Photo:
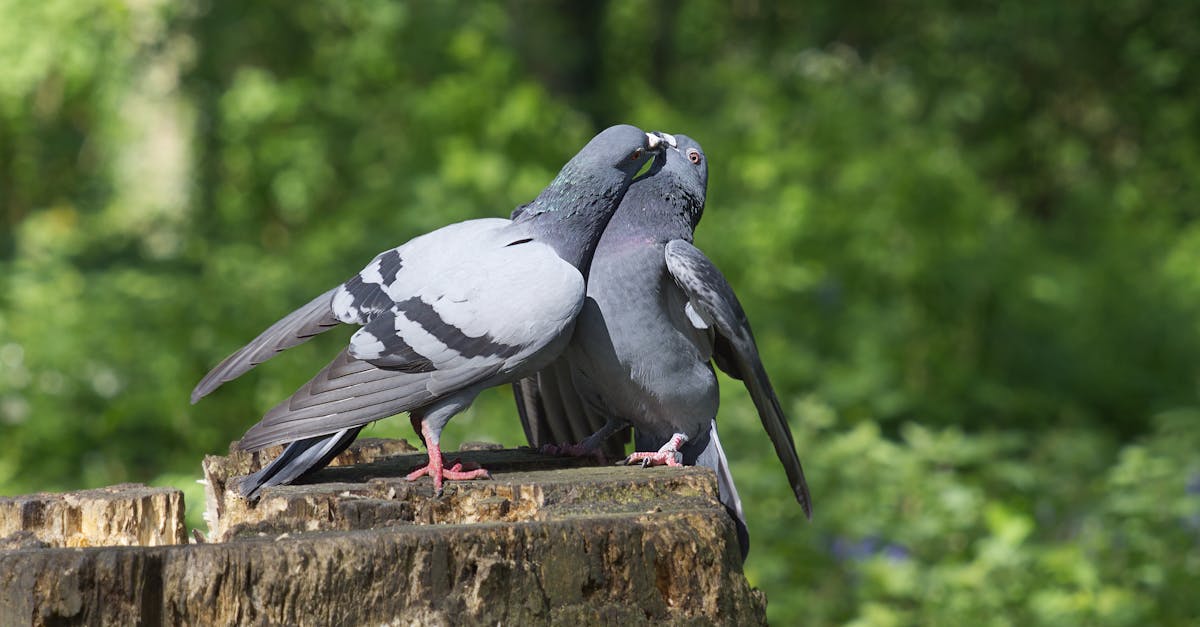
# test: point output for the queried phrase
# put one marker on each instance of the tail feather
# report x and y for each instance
(298, 460)
(706, 451)
(713, 456)
(553, 411)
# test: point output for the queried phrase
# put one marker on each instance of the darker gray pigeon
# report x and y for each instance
(657, 313)
(444, 316)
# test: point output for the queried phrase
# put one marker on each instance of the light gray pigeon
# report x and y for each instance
(446, 315)
(658, 311)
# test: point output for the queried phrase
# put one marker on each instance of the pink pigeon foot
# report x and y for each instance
(437, 468)
(653, 459)
(668, 455)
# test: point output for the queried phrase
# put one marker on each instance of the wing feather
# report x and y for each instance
(714, 301)
(330, 402)
(439, 316)
(554, 411)
(298, 327)
(530, 410)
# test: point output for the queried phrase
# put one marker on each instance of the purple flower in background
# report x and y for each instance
(845, 549)
(895, 552)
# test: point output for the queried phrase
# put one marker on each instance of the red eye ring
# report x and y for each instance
(637, 154)
(694, 156)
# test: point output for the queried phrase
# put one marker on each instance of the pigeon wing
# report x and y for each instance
(553, 411)
(355, 302)
(296, 328)
(713, 303)
(532, 411)
(453, 323)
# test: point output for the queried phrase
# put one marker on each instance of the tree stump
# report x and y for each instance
(122, 515)
(548, 540)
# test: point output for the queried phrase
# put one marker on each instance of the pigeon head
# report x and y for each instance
(665, 202)
(571, 213)
(683, 176)
(622, 147)
(686, 162)
(598, 175)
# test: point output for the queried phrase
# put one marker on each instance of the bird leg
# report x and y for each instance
(667, 455)
(417, 420)
(437, 468)
(590, 446)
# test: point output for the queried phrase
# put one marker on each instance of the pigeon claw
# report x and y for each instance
(439, 470)
(659, 458)
(668, 455)
(456, 472)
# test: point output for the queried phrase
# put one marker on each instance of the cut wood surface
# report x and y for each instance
(122, 515)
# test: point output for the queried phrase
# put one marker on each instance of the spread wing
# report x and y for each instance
(713, 304)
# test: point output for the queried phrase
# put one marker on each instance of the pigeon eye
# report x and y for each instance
(694, 156)
(637, 154)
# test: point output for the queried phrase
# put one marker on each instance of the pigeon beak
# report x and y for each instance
(667, 138)
(654, 142)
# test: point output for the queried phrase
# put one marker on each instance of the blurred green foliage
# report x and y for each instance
(966, 233)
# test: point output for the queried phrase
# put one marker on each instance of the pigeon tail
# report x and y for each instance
(298, 460)
(713, 456)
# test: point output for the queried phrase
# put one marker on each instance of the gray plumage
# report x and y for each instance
(296, 328)
(443, 317)
(657, 313)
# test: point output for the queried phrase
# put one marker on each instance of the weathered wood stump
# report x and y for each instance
(121, 515)
(546, 541)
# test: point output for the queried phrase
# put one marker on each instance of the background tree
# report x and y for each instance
(966, 235)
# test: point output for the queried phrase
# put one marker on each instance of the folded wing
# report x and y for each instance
(444, 322)
(713, 304)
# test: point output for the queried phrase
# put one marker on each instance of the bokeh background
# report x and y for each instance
(967, 234)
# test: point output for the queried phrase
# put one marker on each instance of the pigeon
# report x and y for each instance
(657, 314)
(444, 316)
